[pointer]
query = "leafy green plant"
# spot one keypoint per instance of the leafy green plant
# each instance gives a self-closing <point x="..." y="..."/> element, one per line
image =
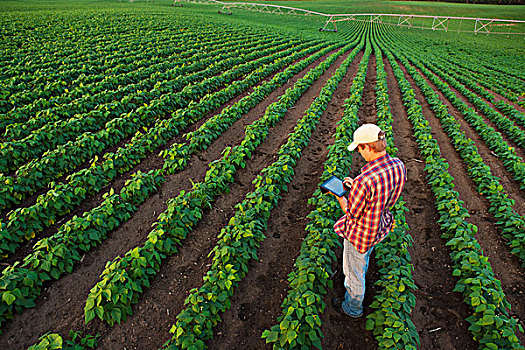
<point x="238" y="242"/>
<point x="481" y="289"/>
<point x="510" y="222"/>
<point x="391" y="323"/>
<point x="300" y="322"/>
<point x="123" y="279"/>
<point x="50" y="341"/>
<point x="21" y="283"/>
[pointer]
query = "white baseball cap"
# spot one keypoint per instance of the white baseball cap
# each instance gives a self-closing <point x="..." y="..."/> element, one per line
<point x="366" y="133"/>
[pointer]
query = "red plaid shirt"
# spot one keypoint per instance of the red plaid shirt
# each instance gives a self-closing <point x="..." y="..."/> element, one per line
<point x="368" y="218"/>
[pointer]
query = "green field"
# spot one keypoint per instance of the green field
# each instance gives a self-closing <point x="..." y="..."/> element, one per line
<point x="160" y="170"/>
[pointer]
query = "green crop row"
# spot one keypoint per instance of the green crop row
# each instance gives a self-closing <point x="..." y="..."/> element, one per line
<point x="100" y="49"/>
<point x="143" y="75"/>
<point x="511" y="223"/>
<point x="500" y="70"/>
<point x="441" y="68"/>
<point x="501" y="83"/>
<point x="181" y="89"/>
<point x="125" y="277"/>
<point x="73" y="52"/>
<point x="503" y="123"/>
<point x="54" y="341"/>
<point x="68" y="84"/>
<point x="178" y="155"/>
<point x="40" y="172"/>
<point x="239" y="240"/>
<point x="90" y="44"/>
<point x="391" y="323"/>
<point x="300" y="322"/>
<point x="59" y="262"/>
<point x="490" y="322"/>
<point x="512" y="112"/>
<point x="466" y="79"/>
<point x="22" y="283"/>
<point x="62" y="198"/>
<point x="493" y="139"/>
<point x="35" y="81"/>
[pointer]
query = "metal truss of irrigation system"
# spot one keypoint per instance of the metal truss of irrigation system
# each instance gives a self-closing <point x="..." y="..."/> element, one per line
<point x="477" y="25"/>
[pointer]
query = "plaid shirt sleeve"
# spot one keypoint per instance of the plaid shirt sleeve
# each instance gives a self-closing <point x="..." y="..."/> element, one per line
<point x="368" y="219"/>
<point x="358" y="194"/>
<point x="354" y="210"/>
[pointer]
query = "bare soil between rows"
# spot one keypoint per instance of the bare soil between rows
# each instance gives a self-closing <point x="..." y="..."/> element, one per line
<point x="439" y="314"/>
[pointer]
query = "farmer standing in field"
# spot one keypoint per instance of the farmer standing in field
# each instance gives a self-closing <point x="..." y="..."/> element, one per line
<point x="368" y="218"/>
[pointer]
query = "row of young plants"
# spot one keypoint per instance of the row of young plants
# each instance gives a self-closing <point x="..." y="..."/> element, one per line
<point x="318" y="55"/>
<point x="497" y="82"/>
<point x="84" y="60"/>
<point x="440" y="69"/>
<point x="503" y="123"/>
<point x="125" y="277"/>
<point x="483" y="84"/>
<point x="496" y="72"/>
<point x="46" y="342"/>
<point x="239" y="240"/>
<point x="506" y="63"/>
<point x="87" y="37"/>
<point x="22" y="282"/>
<point x="24" y="223"/>
<point x="49" y="81"/>
<point x="53" y="341"/>
<point x="479" y="86"/>
<point x="490" y="322"/>
<point x="81" y="97"/>
<point x="300" y="322"/>
<point x="178" y="155"/>
<point x="55" y="261"/>
<point x="40" y="172"/>
<point x="493" y="139"/>
<point x="184" y="84"/>
<point x="73" y="53"/>
<point x="512" y="112"/>
<point x="391" y="323"/>
<point x="511" y="223"/>
<point x="80" y="80"/>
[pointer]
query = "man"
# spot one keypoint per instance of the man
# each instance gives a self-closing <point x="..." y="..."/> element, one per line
<point x="368" y="218"/>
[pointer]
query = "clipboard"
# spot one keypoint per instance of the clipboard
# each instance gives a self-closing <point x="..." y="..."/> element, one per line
<point x="334" y="185"/>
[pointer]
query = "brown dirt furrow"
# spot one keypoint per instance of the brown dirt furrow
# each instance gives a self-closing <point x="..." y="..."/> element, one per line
<point x="189" y="266"/>
<point x="32" y="199"/>
<point x="149" y="328"/>
<point x="491" y="104"/>
<point x="506" y="266"/>
<point x="490" y="158"/>
<point x="498" y="97"/>
<point x="60" y="307"/>
<point x="152" y="161"/>
<point x="437" y="306"/>
<point x="201" y="241"/>
<point x="341" y="332"/>
<point x="519" y="150"/>
<point x="257" y="301"/>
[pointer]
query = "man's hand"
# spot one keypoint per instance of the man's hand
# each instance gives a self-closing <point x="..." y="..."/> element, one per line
<point x="342" y="202"/>
<point x="347" y="182"/>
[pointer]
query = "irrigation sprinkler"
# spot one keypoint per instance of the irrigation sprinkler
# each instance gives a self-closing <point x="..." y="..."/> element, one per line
<point x="480" y="25"/>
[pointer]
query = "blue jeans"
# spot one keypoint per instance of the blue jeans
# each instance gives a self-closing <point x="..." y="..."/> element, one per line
<point x="355" y="266"/>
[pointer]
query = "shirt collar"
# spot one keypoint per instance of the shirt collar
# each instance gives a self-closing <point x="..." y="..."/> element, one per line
<point x="375" y="162"/>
